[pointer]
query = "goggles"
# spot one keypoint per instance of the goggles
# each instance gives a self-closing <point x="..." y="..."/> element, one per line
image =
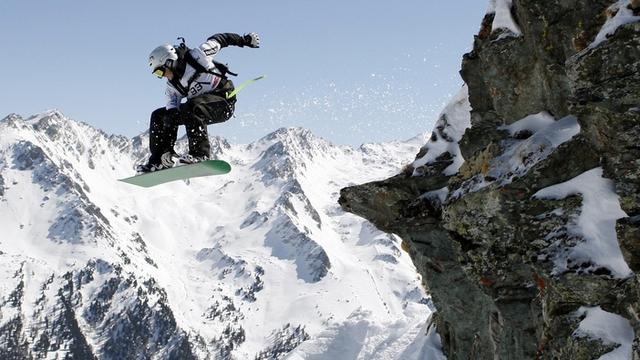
<point x="159" y="72"/>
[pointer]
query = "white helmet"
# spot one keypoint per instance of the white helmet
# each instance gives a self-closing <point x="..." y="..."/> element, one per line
<point x="163" y="55"/>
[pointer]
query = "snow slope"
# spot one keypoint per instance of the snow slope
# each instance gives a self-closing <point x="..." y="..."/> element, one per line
<point x="246" y="265"/>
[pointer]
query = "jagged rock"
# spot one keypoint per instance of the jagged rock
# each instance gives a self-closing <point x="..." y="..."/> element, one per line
<point x="606" y="87"/>
<point x="492" y="253"/>
<point x="628" y="230"/>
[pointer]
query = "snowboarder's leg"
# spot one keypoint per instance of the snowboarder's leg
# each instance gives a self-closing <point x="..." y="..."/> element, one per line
<point x="199" y="146"/>
<point x="203" y="110"/>
<point x="161" y="137"/>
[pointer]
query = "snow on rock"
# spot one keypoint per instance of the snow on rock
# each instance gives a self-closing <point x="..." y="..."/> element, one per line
<point x="503" y="18"/>
<point x="542" y="136"/>
<point x="448" y="131"/>
<point x="432" y="348"/>
<point x="531" y="124"/>
<point x="519" y="156"/>
<point x="621" y="15"/>
<point x="247" y="265"/>
<point x="436" y="197"/>
<point x="609" y="329"/>
<point x="596" y="223"/>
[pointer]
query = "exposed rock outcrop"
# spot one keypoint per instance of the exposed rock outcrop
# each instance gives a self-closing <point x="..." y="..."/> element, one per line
<point x="521" y="239"/>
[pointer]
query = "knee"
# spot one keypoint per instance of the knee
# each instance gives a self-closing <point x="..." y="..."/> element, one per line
<point x="157" y="116"/>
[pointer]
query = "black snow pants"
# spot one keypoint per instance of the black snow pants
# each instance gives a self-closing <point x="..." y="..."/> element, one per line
<point x="198" y="112"/>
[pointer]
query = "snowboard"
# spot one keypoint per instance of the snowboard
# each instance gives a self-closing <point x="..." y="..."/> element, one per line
<point x="182" y="172"/>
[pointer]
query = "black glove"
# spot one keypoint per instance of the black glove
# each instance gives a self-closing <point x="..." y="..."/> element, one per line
<point x="252" y="40"/>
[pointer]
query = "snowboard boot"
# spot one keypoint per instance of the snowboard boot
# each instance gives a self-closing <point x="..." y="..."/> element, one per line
<point x="149" y="167"/>
<point x="190" y="159"/>
<point x="166" y="159"/>
<point x="166" y="162"/>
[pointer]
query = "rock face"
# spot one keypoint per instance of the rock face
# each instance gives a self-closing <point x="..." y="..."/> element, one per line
<point x="512" y="243"/>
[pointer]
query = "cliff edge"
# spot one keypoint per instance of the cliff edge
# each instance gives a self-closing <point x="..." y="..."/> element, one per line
<point x="522" y="212"/>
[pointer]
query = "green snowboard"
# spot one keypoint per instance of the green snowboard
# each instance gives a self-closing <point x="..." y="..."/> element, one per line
<point x="182" y="172"/>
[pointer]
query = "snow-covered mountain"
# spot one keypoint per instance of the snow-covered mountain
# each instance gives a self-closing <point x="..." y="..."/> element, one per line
<point x="258" y="264"/>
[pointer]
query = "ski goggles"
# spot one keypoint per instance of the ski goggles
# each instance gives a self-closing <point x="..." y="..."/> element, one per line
<point x="159" y="72"/>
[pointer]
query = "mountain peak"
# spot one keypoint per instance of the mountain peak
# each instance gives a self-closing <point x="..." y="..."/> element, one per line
<point x="51" y="114"/>
<point x="285" y="133"/>
<point x="11" y="117"/>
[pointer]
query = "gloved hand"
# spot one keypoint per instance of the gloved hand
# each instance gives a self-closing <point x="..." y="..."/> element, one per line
<point x="252" y="40"/>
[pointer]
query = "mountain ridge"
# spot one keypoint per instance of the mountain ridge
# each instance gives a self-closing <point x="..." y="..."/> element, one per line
<point x="223" y="267"/>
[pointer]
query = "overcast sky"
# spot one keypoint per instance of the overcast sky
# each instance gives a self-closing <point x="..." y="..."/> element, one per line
<point x="351" y="71"/>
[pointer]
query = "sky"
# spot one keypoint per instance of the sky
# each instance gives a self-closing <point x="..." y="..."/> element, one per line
<point x="350" y="71"/>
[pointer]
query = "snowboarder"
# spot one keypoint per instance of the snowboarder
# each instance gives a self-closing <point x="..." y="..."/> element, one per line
<point x="191" y="74"/>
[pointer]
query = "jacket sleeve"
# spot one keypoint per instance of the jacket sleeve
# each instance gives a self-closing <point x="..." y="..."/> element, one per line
<point x="228" y="39"/>
<point x="173" y="98"/>
<point x="205" y="53"/>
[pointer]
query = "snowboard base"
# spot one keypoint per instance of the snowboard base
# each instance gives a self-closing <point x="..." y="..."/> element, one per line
<point x="182" y="172"/>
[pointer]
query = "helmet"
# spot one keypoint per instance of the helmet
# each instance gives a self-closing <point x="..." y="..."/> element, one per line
<point x="163" y="55"/>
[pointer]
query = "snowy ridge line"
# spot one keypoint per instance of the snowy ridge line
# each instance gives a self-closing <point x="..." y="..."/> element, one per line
<point x="245" y="265"/>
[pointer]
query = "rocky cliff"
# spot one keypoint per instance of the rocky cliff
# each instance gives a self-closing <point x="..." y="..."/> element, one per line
<point x="522" y="212"/>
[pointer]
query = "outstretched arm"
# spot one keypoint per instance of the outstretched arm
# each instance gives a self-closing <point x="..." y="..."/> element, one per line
<point x="227" y="39"/>
<point x="205" y="53"/>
